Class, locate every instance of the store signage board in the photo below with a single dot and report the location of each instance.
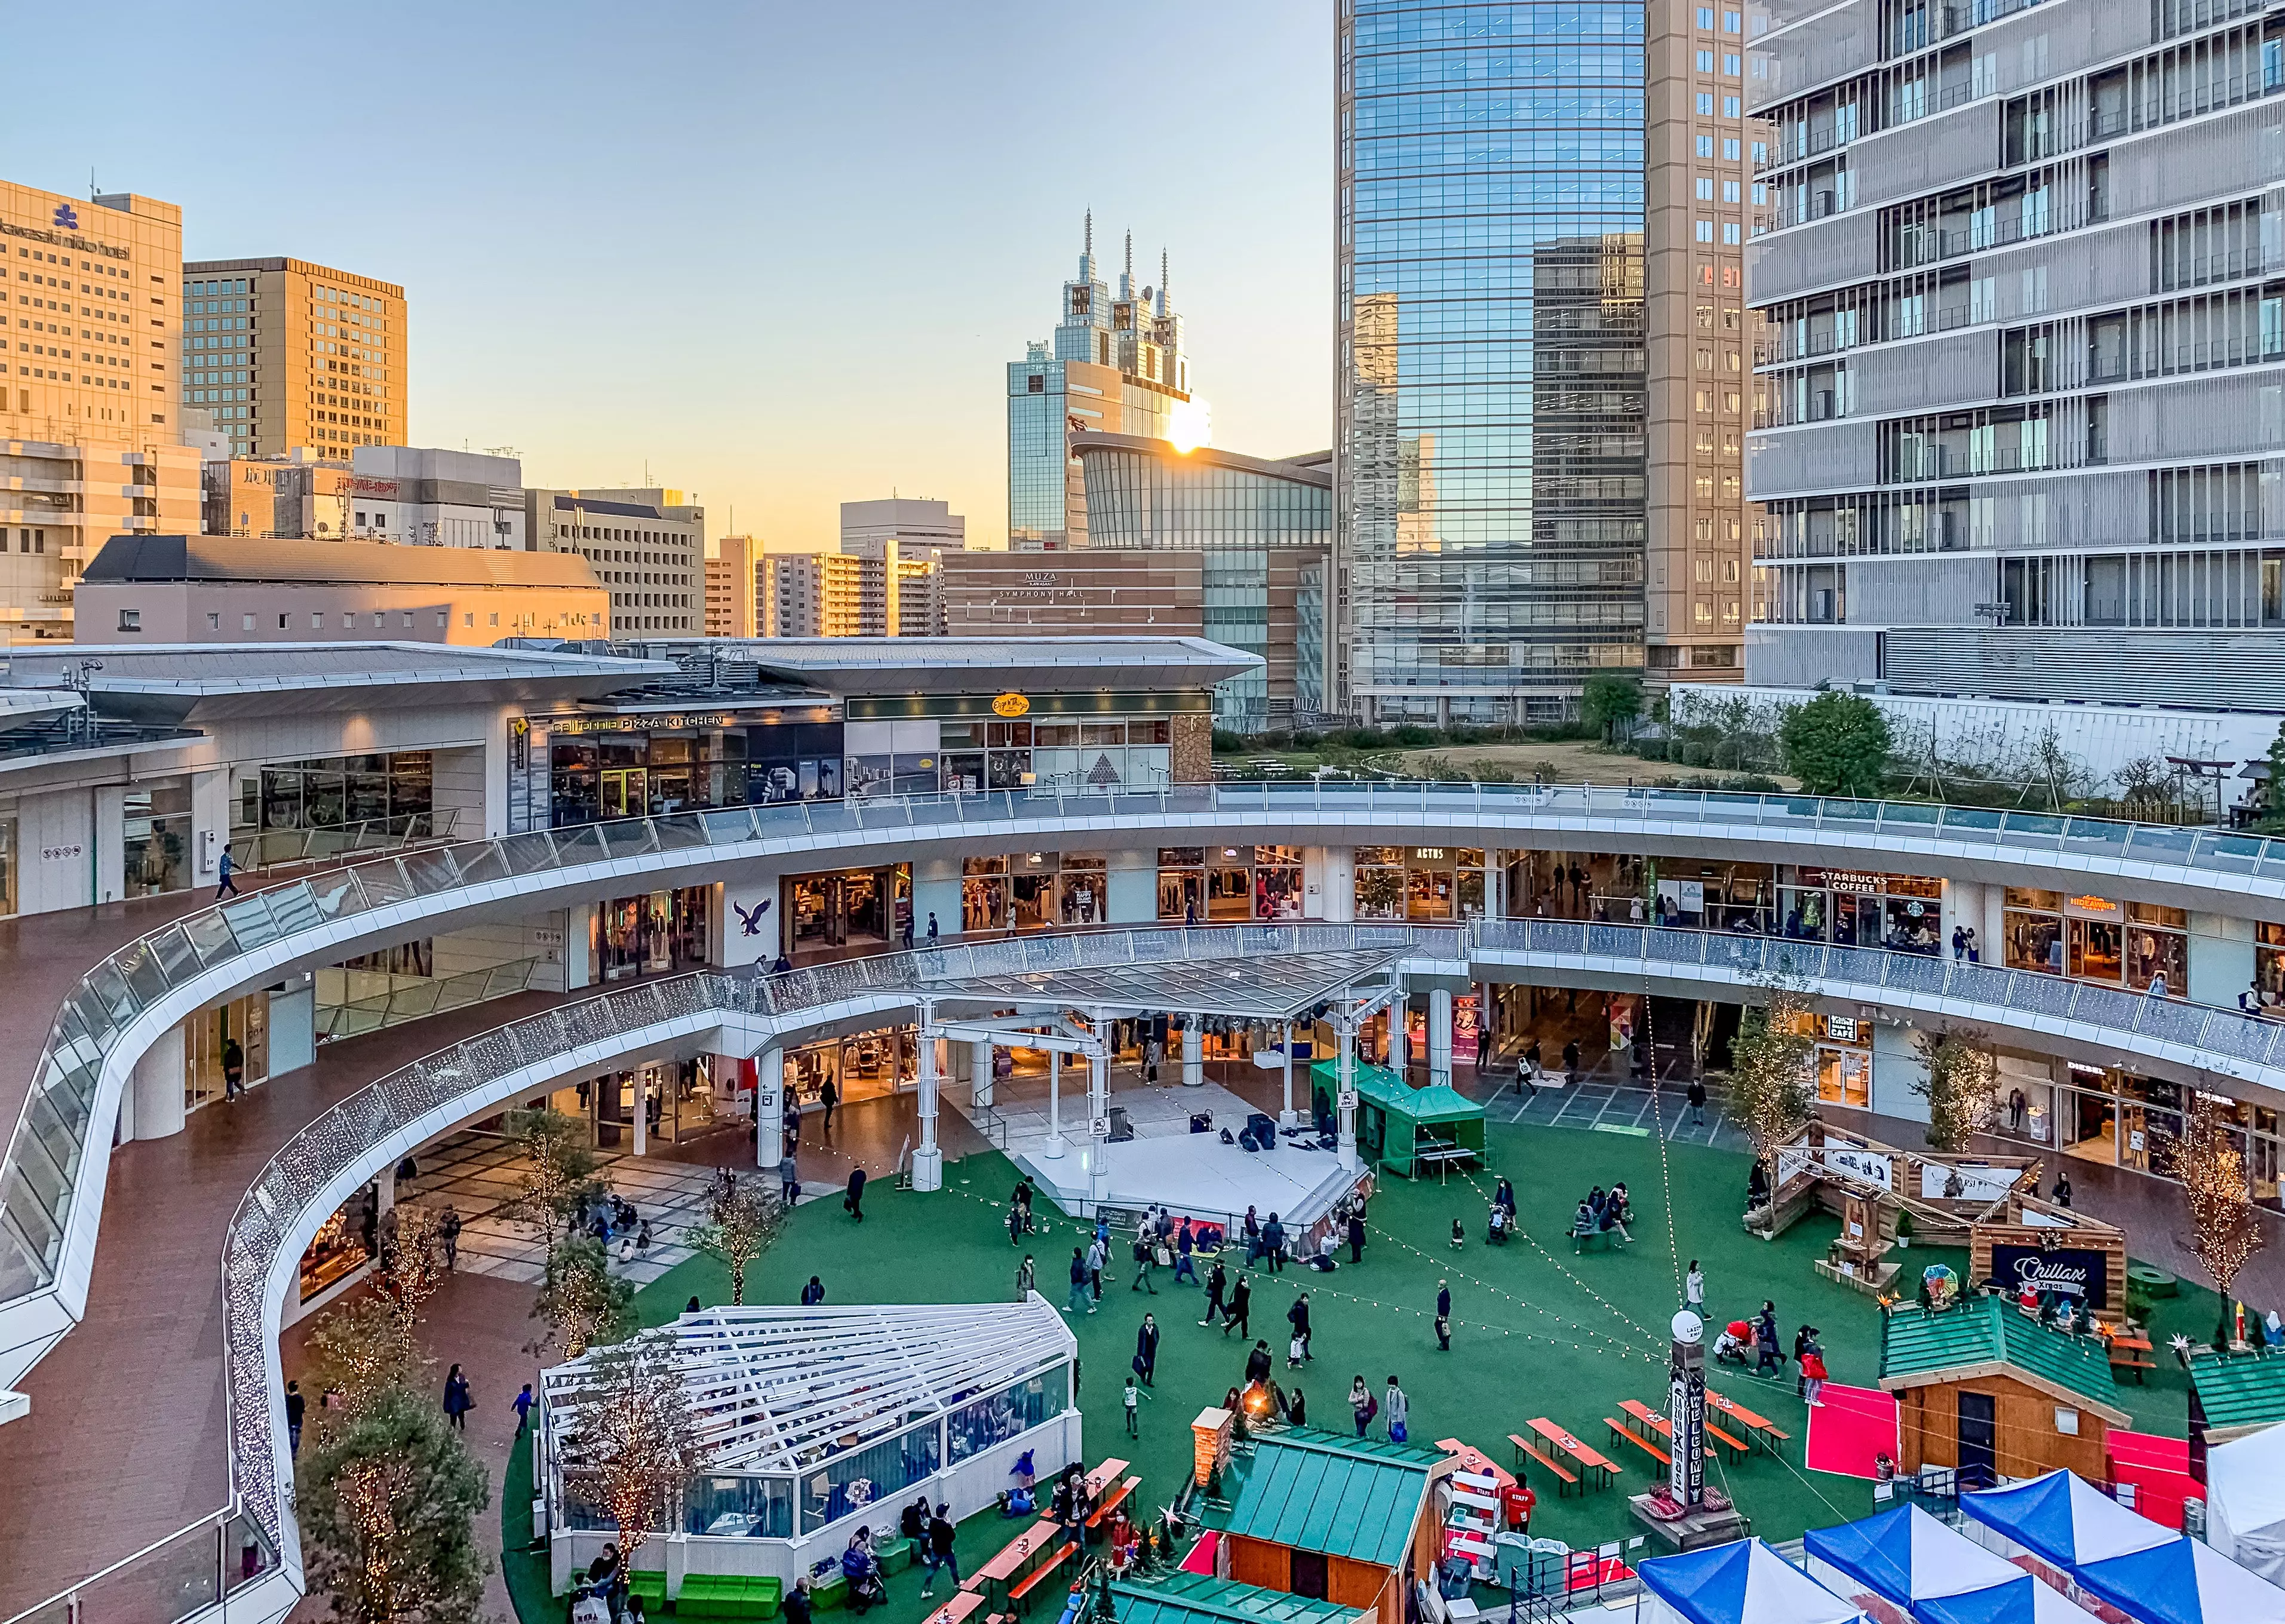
(2066, 1271)
(1011, 705)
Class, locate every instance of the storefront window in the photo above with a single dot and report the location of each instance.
(1082, 889)
(1380, 892)
(8, 863)
(2034, 927)
(983, 894)
(863, 1065)
(2158, 946)
(2269, 964)
(1842, 1051)
(344, 1244)
(340, 792)
(156, 837)
(652, 934)
(1182, 882)
(1900, 911)
(859, 908)
(1007, 755)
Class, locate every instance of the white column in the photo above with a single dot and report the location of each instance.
(1055, 1146)
(1340, 884)
(769, 1107)
(1346, 1027)
(1287, 1118)
(384, 1189)
(979, 1071)
(159, 1086)
(643, 1110)
(1194, 1051)
(1400, 1036)
(1440, 1036)
(578, 941)
(1098, 1111)
(928, 1160)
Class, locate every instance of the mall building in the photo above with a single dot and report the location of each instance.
(687, 870)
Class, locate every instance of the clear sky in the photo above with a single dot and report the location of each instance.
(780, 252)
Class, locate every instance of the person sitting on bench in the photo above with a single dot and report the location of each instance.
(1582, 1222)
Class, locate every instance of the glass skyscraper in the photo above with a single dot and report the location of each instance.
(1490, 502)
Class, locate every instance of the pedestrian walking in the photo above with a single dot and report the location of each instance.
(1027, 1277)
(1444, 1315)
(1146, 1260)
(1803, 1339)
(792, 1125)
(523, 1403)
(1767, 1358)
(931, 937)
(829, 1095)
(1099, 1253)
(1217, 1278)
(1570, 1062)
(1080, 1275)
(1693, 1289)
(1273, 1244)
(813, 1293)
(448, 1230)
(1131, 1397)
(1185, 1266)
(1146, 1351)
(1812, 1374)
(294, 1406)
(937, 1552)
(1241, 1306)
(1257, 1363)
(457, 1402)
(1356, 1235)
(227, 886)
(1298, 1317)
(853, 1202)
(1297, 1409)
(233, 1068)
(1397, 1408)
(1362, 1404)
(1698, 1102)
(789, 1181)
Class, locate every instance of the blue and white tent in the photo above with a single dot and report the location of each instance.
(1743, 1583)
(2183, 1581)
(2022, 1600)
(2065, 1520)
(1906, 1555)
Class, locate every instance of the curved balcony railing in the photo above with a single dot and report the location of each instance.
(308, 1177)
(46, 1152)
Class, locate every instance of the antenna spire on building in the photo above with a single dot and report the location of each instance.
(1162, 281)
(1130, 258)
(1090, 249)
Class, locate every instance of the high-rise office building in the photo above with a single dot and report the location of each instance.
(91, 439)
(1115, 366)
(1700, 189)
(736, 592)
(285, 353)
(1489, 498)
(908, 538)
(2023, 405)
(648, 546)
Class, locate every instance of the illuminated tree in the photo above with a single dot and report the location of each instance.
(411, 1267)
(360, 1350)
(633, 1440)
(742, 1223)
(582, 1302)
(388, 1502)
(559, 1168)
(2224, 1229)
(1769, 1070)
(1958, 1086)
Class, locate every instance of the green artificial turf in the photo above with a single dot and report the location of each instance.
(1538, 1332)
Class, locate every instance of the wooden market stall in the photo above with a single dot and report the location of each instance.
(2024, 1241)
(1988, 1389)
(1409, 1131)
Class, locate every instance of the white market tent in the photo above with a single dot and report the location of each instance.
(2245, 1502)
(1742, 1582)
(814, 1416)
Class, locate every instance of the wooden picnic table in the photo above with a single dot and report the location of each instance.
(1003, 1567)
(1563, 1443)
(2129, 1352)
(1766, 1434)
(1102, 1476)
(1664, 1428)
(962, 1604)
(1474, 1460)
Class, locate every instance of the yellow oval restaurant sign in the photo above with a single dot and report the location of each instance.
(1010, 704)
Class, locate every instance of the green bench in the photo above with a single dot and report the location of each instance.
(725, 1596)
(649, 1583)
(827, 1594)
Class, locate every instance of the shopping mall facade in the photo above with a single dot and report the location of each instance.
(726, 874)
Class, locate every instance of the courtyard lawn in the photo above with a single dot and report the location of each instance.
(1537, 1330)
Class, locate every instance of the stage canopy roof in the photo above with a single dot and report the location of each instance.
(1266, 987)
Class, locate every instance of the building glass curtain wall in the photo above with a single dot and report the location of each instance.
(1490, 492)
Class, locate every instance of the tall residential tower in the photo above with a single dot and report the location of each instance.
(1116, 366)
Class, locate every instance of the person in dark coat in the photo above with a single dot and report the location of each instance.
(1217, 1279)
(1241, 1304)
(1146, 1351)
(1697, 1101)
(1356, 1237)
(829, 1095)
(1444, 1315)
(1298, 1317)
(457, 1402)
(853, 1203)
(1256, 1364)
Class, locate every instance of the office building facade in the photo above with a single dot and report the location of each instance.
(1489, 495)
(1115, 366)
(2020, 433)
(647, 547)
(285, 353)
(736, 595)
(91, 439)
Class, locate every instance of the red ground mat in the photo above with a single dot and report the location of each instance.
(1849, 1428)
(2159, 1469)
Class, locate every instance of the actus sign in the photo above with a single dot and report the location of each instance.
(1011, 705)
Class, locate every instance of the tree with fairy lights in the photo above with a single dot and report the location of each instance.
(2225, 1230)
(358, 1351)
(388, 1501)
(558, 1171)
(1958, 1086)
(742, 1223)
(1770, 1070)
(411, 1267)
(631, 1440)
(580, 1300)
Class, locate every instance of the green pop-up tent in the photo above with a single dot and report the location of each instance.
(1403, 1129)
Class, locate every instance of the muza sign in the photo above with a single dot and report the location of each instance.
(2068, 1272)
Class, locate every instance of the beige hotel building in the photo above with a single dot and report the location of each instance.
(285, 353)
(90, 426)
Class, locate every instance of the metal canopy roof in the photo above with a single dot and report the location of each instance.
(780, 1389)
(1269, 986)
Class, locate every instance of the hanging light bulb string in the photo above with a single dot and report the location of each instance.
(1550, 1258)
(1623, 1344)
(1658, 1116)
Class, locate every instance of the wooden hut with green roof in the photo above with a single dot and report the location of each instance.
(1200, 1598)
(1353, 1521)
(2232, 1396)
(1986, 1386)
(1405, 1130)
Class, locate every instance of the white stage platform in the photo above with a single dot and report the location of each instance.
(1198, 1174)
